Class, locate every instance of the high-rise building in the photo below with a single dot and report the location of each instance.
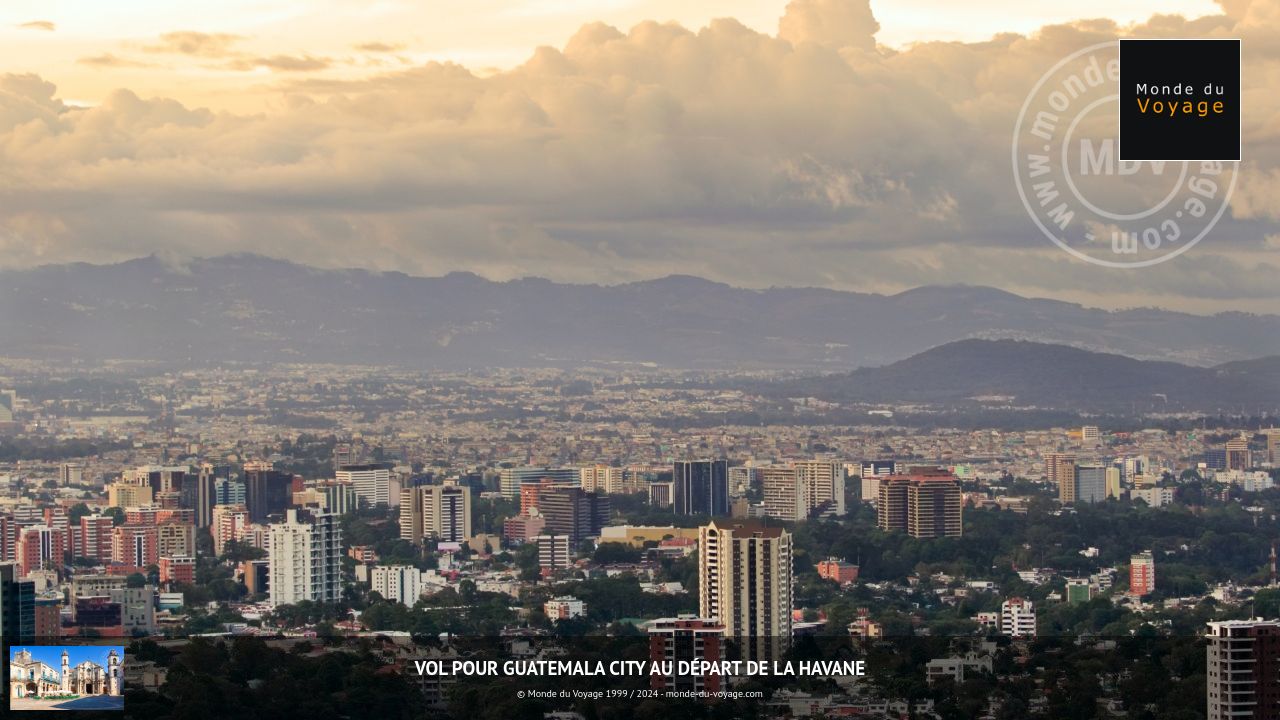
(1273, 445)
(601, 479)
(267, 491)
(1091, 483)
(174, 539)
(802, 490)
(1242, 672)
(685, 639)
(1018, 617)
(925, 504)
(701, 487)
(1142, 574)
(554, 553)
(135, 546)
(305, 559)
(441, 511)
(1060, 472)
(207, 487)
(123, 494)
(40, 546)
(398, 583)
(744, 584)
(331, 496)
(17, 606)
(70, 474)
(1238, 454)
(95, 537)
(371, 481)
(785, 495)
(510, 480)
(230, 522)
(573, 512)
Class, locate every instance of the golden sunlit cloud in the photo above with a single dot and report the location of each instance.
(186, 42)
(805, 153)
(44, 25)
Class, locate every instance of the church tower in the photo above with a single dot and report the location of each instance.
(65, 684)
(113, 673)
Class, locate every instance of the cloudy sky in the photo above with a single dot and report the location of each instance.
(829, 143)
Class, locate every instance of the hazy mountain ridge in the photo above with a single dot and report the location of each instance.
(1011, 372)
(246, 307)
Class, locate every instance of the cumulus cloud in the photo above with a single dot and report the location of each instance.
(199, 44)
(44, 25)
(832, 23)
(808, 157)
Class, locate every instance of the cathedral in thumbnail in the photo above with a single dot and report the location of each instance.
(29, 677)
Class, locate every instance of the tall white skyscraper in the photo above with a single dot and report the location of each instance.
(745, 577)
(305, 559)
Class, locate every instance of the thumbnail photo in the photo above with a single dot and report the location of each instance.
(66, 677)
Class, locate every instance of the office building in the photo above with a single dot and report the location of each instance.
(1242, 670)
(601, 478)
(123, 494)
(554, 553)
(305, 559)
(230, 522)
(135, 546)
(745, 584)
(39, 547)
(573, 512)
(439, 512)
(1091, 483)
(662, 494)
(176, 539)
(685, 639)
(371, 482)
(510, 480)
(17, 605)
(398, 583)
(70, 474)
(1237, 454)
(1060, 473)
(207, 487)
(1018, 617)
(268, 492)
(701, 487)
(925, 504)
(1142, 574)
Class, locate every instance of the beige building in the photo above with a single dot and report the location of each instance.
(745, 577)
(442, 512)
(123, 495)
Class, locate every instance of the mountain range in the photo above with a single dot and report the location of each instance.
(253, 308)
(993, 373)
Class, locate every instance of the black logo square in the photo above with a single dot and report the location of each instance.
(1179, 99)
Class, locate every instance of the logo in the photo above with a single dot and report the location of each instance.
(1082, 196)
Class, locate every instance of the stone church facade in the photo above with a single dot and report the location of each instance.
(31, 678)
